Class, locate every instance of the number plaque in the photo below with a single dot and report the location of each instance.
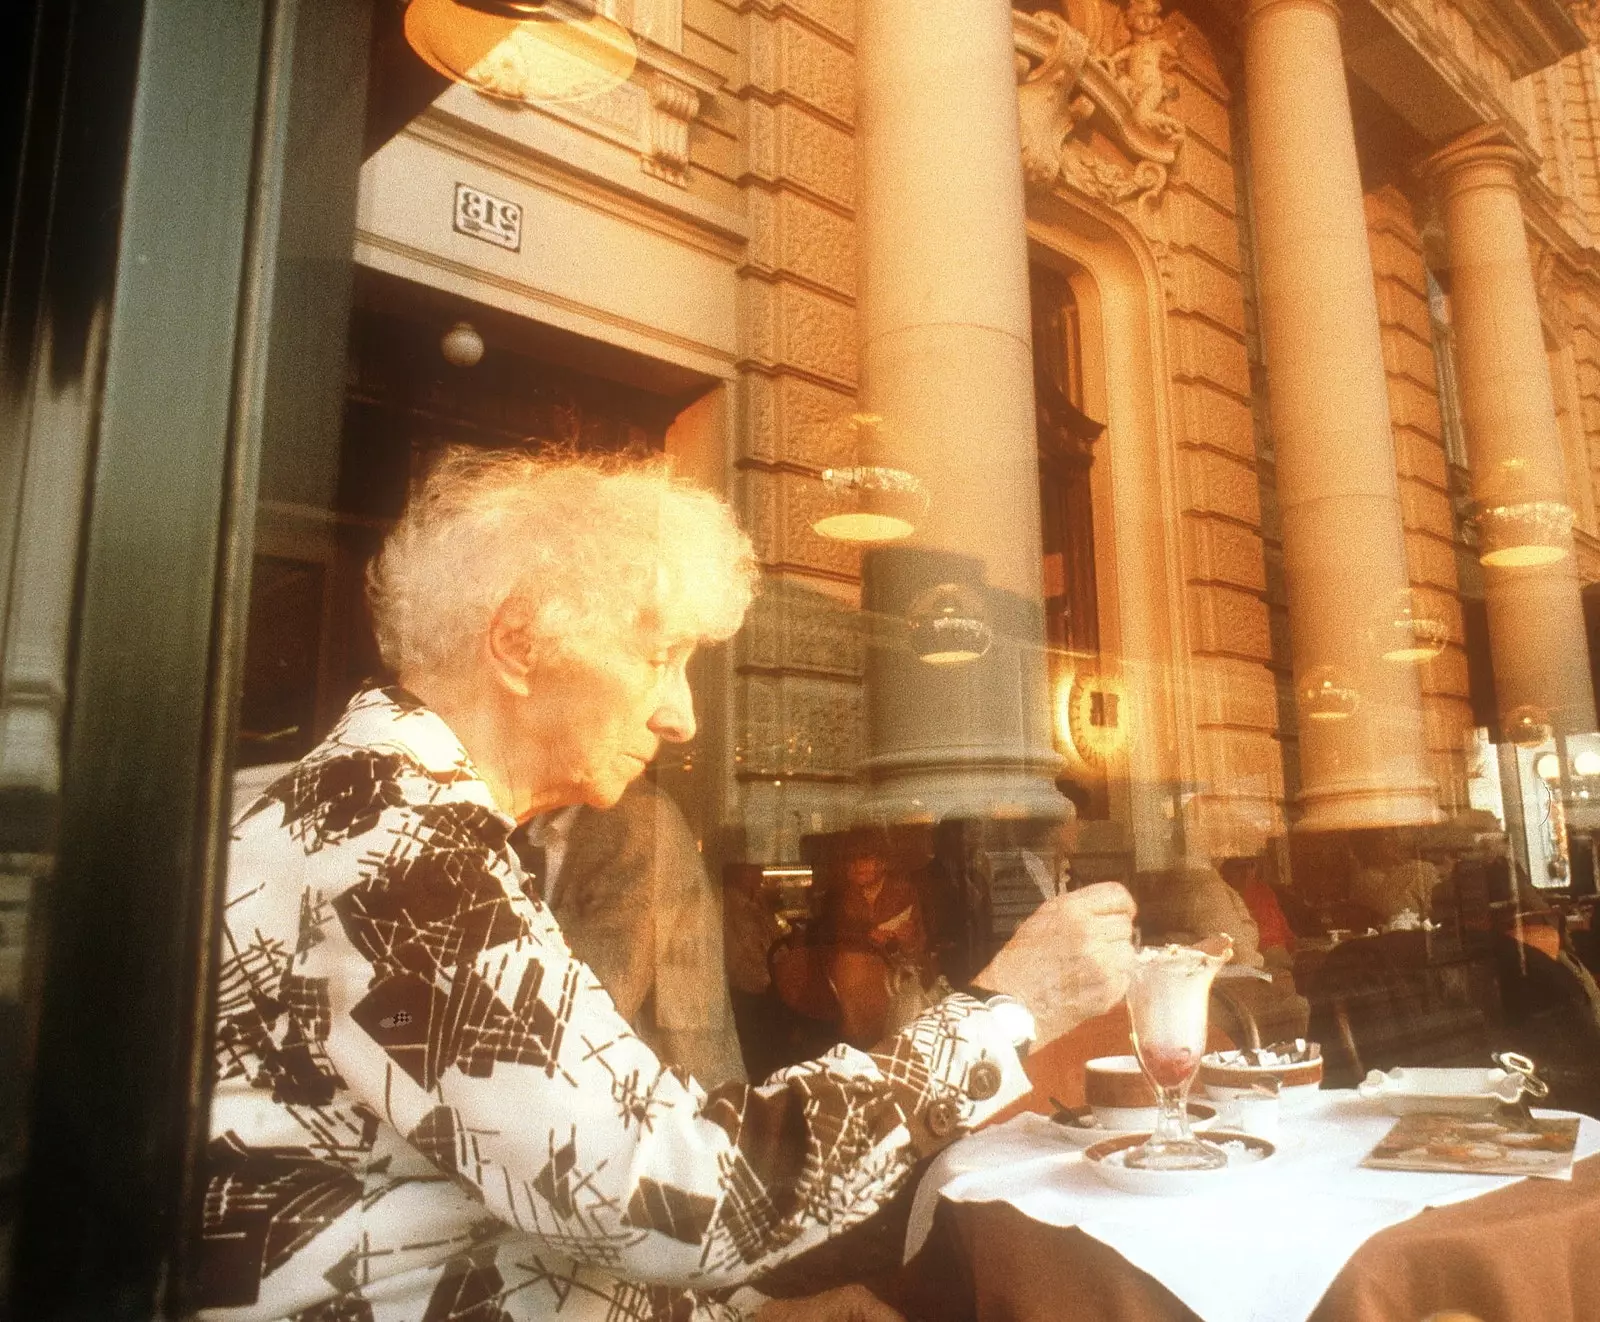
(492, 219)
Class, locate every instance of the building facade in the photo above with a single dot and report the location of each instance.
(1168, 435)
(1280, 234)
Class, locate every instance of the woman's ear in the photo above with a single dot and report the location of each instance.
(510, 647)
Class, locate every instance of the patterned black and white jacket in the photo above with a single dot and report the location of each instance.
(427, 1110)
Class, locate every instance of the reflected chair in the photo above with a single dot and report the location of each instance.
(1381, 1001)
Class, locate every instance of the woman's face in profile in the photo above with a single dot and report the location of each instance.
(611, 715)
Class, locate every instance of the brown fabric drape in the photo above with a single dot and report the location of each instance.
(1530, 1253)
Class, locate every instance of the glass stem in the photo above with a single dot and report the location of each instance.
(1172, 1115)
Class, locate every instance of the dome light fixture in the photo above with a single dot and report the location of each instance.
(1547, 766)
(1326, 694)
(1587, 763)
(1407, 633)
(1527, 726)
(532, 52)
(462, 345)
(948, 625)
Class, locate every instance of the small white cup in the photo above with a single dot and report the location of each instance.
(1253, 1112)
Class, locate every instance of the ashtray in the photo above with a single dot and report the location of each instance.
(1404, 1091)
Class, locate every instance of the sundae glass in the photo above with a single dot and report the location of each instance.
(1167, 1002)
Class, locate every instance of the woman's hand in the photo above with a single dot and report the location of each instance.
(848, 1303)
(1070, 960)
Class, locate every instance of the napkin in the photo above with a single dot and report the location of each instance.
(1264, 1247)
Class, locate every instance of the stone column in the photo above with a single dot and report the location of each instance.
(1536, 630)
(1362, 754)
(947, 366)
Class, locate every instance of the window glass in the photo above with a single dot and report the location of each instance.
(1159, 504)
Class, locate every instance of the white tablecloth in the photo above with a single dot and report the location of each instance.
(1263, 1248)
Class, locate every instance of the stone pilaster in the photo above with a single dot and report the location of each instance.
(1238, 803)
(1362, 755)
(1426, 512)
(946, 362)
(798, 694)
(1536, 629)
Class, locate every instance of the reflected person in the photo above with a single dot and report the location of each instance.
(631, 894)
(629, 890)
(425, 1105)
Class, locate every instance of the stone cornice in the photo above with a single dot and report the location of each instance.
(1563, 259)
(1415, 23)
(1528, 34)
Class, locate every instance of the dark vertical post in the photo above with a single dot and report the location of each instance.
(223, 311)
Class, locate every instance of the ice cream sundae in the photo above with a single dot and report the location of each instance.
(1168, 997)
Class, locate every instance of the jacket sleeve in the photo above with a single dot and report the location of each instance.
(457, 1013)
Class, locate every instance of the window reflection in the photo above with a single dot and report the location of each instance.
(1299, 646)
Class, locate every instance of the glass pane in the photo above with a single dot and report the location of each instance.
(1167, 482)
(1138, 535)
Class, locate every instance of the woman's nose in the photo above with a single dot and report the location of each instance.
(674, 717)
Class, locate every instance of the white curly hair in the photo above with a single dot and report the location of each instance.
(599, 549)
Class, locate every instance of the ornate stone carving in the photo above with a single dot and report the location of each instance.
(673, 106)
(1066, 89)
(1093, 122)
(1047, 112)
(1141, 71)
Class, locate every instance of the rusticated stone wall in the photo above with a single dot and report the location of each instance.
(1426, 512)
(797, 697)
(1239, 762)
(1585, 349)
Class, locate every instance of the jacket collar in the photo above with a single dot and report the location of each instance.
(393, 720)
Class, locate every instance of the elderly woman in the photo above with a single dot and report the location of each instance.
(426, 1108)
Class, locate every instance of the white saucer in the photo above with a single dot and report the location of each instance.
(1080, 1127)
(1245, 1154)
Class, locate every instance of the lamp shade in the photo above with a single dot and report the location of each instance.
(1325, 693)
(1520, 525)
(869, 503)
(1523, 535)
(948, 626)
(535, 54)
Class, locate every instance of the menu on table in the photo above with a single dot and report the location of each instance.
(1508, 1143)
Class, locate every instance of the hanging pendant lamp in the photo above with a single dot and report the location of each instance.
(1519, 526)
(533, 52)
(869, 502)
